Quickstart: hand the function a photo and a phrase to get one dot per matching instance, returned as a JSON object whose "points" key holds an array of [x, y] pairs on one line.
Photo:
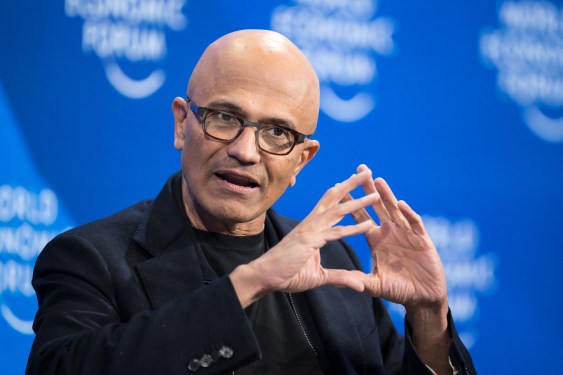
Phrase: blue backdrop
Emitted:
{"points": [[459, 105]]}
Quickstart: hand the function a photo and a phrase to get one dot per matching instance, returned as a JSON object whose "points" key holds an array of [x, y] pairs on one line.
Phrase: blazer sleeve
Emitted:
{"points": [[460, 358], [80, 329]]}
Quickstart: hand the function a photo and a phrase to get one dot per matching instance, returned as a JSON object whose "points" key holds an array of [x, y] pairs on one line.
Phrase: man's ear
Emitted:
{"points": [[180, 113], [309, 150]]}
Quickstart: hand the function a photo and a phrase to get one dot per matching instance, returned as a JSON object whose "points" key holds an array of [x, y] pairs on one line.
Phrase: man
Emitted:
{"points": [[207, 278]]}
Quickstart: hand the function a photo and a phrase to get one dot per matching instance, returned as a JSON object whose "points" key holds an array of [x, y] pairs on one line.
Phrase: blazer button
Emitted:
{"points": [[206, 360], [194, 365], [226, 351]]}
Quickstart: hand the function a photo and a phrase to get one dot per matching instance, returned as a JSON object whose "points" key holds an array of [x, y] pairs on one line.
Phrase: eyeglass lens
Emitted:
{"points": [[273, 139]]}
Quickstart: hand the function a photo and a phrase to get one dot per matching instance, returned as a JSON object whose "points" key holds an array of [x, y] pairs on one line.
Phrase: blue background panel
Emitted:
{"points": [[458, 105]]}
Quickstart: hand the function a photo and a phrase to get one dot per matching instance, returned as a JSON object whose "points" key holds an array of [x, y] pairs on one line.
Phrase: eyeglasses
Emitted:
{"points": [[222, 126]]}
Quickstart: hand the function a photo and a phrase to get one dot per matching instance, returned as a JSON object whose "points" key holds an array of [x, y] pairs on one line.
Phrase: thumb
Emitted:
{"points": [[355, 280], [372, 285]]}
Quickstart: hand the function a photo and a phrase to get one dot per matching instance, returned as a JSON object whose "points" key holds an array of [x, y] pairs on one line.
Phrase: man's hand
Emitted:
{"points": [[293, 265], [406, 266], [407, 270]]}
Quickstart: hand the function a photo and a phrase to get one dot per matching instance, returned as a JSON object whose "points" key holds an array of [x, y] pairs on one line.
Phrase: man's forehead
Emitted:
{"points": [[253, 65], [261, 52]]}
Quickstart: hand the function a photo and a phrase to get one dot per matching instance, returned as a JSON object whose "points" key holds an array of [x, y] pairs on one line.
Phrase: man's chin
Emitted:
{"points": [[234, 217]]}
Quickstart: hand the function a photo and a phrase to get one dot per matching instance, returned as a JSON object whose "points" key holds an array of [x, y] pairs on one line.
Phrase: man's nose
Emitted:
{"points": [[244, 148]]}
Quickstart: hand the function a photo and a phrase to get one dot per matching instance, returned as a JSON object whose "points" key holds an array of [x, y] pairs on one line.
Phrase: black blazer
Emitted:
{"points": [[132, 294]]}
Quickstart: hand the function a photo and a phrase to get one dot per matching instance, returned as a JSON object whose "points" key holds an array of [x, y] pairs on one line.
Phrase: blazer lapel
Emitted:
{"points": [[172, 274], [175, 266]]}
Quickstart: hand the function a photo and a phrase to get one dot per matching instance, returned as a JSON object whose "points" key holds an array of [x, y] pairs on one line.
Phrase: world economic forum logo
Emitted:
{"points": [[31, 214], [527, 51], [342, 39], [28, 220], [129, 38]]}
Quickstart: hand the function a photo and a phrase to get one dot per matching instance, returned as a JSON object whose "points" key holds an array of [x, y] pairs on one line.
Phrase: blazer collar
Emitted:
{"points": [[176, 265], [166, 220]]}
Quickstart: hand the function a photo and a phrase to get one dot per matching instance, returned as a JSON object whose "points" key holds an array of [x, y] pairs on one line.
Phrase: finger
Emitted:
{"points": [[373, 285], [361, 214], [368, 186], [378, 206], [381, 210], [353, 182], [414, 219], [346, 279], [390, 202], [335, 194], [354, 207], [347, 197], [341, 231]]}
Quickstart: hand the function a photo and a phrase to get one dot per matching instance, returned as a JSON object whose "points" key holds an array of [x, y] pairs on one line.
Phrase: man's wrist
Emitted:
{"points": [[248, 284], [430, 335], [429, 320]]}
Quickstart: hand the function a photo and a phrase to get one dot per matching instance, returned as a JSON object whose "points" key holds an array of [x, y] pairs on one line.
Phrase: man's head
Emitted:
{"points": [[256, 75]]}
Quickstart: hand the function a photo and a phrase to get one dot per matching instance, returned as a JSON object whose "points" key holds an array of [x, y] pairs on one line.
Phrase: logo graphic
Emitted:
{"points": [[129, 38], [30, 216], [341, 38], [468, 274], [26, 225], [527, 51]]}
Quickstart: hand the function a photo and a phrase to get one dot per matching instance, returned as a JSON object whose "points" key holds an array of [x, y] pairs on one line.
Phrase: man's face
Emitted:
{"points": [[229, 186]]}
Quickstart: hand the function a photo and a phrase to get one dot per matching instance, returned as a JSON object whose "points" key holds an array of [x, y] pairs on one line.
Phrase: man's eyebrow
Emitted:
{"points": [[221, 105], [236, 110]]}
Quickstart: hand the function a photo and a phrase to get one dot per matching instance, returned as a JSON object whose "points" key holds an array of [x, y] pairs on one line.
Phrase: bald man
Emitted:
{"points": [[207, 279]]}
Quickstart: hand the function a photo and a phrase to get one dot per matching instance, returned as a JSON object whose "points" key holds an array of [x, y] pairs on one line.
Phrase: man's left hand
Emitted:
{"points": [[407, 270]]}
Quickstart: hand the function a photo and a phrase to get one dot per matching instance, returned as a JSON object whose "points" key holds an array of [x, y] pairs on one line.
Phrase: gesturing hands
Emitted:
{"points": [[406, 265]]}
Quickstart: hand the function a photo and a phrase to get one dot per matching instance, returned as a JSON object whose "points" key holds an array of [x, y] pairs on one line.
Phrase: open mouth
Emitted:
{"points": [[238, 180]]}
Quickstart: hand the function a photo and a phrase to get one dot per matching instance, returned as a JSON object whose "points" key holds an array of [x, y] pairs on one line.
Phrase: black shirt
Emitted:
{"points": [[285, 348]]}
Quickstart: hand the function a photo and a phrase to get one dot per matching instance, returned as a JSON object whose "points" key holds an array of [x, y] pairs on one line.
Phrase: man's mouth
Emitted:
{"points": [[239, 180]]}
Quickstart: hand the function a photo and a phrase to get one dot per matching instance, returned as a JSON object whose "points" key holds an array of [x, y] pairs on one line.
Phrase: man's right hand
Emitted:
{"points": [[293, 265]]}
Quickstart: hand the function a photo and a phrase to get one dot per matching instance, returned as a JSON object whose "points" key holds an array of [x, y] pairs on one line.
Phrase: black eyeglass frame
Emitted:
{"points": [[203, 112]]}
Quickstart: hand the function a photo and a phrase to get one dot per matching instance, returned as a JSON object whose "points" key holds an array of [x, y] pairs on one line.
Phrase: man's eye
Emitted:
{"points": [[225, 117], [277, 132]]}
